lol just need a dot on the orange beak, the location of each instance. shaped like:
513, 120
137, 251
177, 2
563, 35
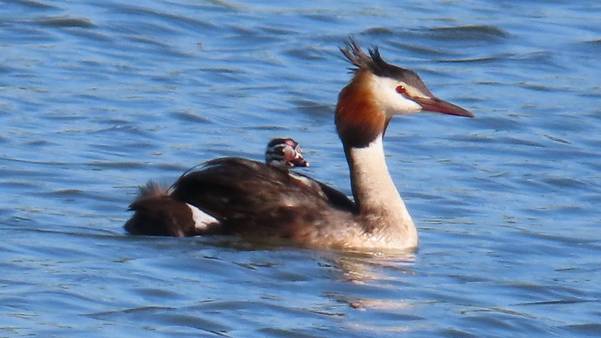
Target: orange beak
437, 105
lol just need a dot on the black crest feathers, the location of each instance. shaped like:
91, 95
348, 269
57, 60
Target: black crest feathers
374, 63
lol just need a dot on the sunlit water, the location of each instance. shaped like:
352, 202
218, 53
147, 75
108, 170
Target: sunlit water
97, 97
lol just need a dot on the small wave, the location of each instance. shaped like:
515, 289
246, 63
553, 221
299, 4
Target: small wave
307, 53
167, 316
145, 44
416, 49
591, 329
596, 43
471, 32
116, 165
269, 127
33, 4
559, 302
537, 87
179, 20
482, 59
64, 22
566, 182
187, 116
378, 31
312, 107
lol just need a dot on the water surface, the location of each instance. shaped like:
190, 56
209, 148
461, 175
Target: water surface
97, 97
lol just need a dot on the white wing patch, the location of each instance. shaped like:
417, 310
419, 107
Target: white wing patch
201, 219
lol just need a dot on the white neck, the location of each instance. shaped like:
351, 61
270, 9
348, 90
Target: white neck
379, 201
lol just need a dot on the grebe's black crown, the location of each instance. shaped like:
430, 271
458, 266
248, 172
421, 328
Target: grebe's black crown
376, 64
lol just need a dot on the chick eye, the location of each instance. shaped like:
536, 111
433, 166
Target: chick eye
401, 89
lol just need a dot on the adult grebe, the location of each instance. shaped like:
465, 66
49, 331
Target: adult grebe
239, 196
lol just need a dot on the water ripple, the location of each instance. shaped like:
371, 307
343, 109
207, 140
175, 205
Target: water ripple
30, 4
65, 22
98, 97
483, 33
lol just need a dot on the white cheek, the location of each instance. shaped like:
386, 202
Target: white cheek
392, 102
405, 106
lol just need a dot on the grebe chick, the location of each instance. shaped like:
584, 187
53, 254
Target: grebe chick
255, 200
284, 153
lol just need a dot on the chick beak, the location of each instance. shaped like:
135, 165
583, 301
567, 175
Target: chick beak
298, 161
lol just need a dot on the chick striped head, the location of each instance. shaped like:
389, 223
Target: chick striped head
284, 153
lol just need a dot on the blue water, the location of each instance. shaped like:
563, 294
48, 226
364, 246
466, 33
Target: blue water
97, 97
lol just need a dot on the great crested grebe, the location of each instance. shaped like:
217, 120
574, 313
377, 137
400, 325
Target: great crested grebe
254, 200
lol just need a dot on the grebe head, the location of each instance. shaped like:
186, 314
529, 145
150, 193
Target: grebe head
284, 153
379, 91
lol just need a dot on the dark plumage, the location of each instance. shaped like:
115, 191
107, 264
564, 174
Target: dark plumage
376, 65
157, 214
247, 195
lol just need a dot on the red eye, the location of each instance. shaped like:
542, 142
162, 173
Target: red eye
401, 89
